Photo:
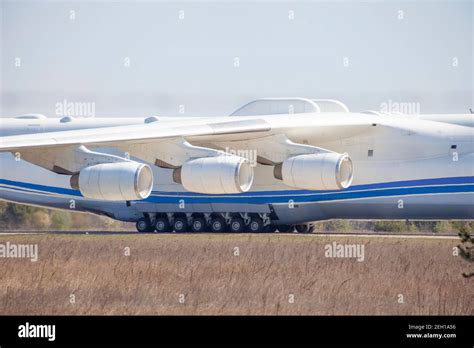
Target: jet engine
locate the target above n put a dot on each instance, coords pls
(215, 175)
(121, 181)
(323, 171)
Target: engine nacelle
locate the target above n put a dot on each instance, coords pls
(121, 181)
(215, 175)
(324, 171)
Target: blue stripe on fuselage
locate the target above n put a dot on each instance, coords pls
(396, 188)
(318, 197)
(393, 184)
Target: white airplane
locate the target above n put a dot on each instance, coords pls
(274, 164)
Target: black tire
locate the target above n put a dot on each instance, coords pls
(198, 225)
(218, 225)
(237, 224)
(285, 228)
(162, 224)
(270, 228)
(143, 225)
(304, 228)
(256, 225)
(180, 224)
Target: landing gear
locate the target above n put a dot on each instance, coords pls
(215, 222)
(304, 228)
(286, 228)
(144, 225)
(218, 224)
(270, 228)
(199, 225)
(256, 225)
(237, 224)
(180, 224)
(162, 225)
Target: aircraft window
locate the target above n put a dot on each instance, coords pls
(454, 147)
(370, 153)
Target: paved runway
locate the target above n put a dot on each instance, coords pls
(298, 235)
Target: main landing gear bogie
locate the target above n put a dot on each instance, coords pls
(215, 223)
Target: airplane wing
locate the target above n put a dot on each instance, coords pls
(191, 148)
(136, 133)
(202, 130)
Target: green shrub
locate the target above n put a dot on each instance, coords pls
(337, 225)
(390, 226)
(60, 220)
(443, 227)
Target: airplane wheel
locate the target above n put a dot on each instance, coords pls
(218, 224)
(285, 228)
(304, 228)
(144, 225)
(256, 225)
(199, 225)
(270, 228)
(180, 225)
(162, 225)
(237, 224)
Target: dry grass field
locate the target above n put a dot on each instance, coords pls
(200, 274)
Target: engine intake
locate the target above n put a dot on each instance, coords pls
(215, 175)
(324, 171)
(122, 181)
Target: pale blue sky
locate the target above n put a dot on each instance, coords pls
(191, 61)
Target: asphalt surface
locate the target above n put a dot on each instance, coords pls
(299, 235)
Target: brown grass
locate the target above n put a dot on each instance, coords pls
(214, 281)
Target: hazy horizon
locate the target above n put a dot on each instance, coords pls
(152, 58)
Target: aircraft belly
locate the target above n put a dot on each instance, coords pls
(431, 206)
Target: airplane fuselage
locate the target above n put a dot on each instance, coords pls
(404, 168)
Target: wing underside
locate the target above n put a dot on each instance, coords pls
(193, 149)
